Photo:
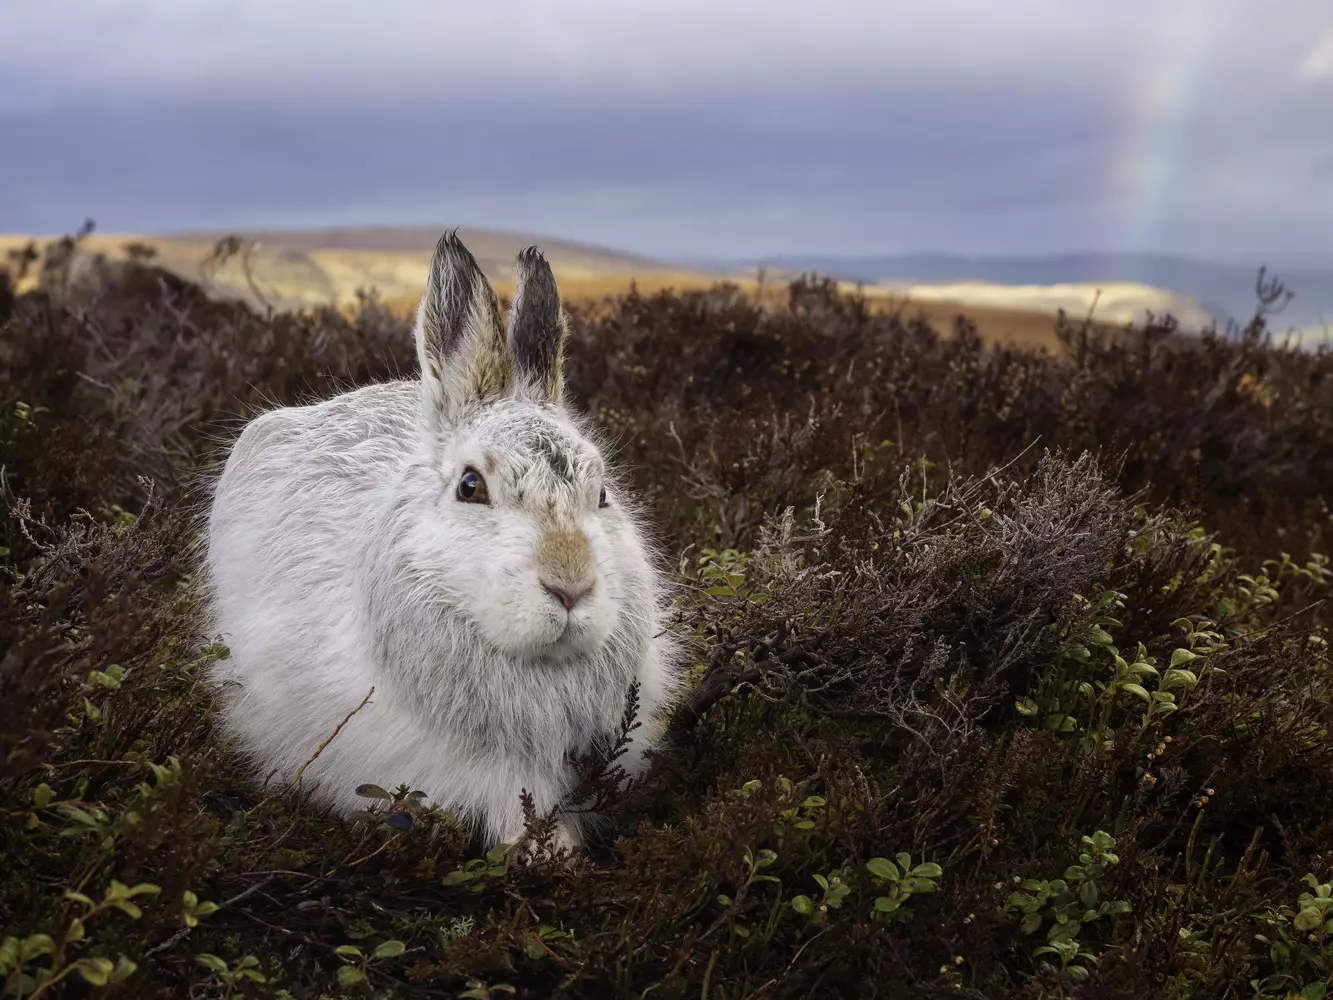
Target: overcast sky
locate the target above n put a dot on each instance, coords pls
(689, 127)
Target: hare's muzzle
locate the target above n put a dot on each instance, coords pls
(565, 566)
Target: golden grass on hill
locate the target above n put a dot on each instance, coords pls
(297, 276)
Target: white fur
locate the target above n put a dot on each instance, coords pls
(339, 558)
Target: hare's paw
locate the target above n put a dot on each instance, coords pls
(565, 844)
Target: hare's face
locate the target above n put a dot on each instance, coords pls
(540, 556)
(525, 541)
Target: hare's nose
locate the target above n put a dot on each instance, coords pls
(566, 595)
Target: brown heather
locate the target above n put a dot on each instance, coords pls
(1010, 669)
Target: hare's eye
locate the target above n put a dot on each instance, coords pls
(601, 499)
(472, 488)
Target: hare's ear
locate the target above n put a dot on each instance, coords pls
(460, 341)
(537, 328)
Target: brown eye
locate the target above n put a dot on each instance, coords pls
(601, 499)
(472, 488)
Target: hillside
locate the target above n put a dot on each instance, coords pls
(291, 269)
(1224, 290)
(296, 268)
(1009, 671)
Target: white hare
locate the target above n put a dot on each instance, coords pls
(456, 542)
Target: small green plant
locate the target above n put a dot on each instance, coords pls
(192, 908)
(230, 977)
(477, 872)
(355, 971)
(1299, 940)
(899, 882)
(722, 573)
(1067, 905)
(834, 887)
(18, 955)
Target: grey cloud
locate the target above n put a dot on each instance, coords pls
(667, 127)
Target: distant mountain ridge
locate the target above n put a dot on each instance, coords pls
(1226, 290)
(494, 249)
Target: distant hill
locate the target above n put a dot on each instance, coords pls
(1011, 299)
(1225, 290)
(495, 250)
(297, 268)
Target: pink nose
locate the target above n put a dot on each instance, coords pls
(567, 597)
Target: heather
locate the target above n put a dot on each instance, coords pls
(1009, 668)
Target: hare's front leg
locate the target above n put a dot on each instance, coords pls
(504, 817)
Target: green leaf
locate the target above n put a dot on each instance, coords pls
(802, 905)
(1138, 690)
(883, 868)
(350, 975)
(1308, 919)
(1060, 723)
(1179, 678)
(455, 877)
(41, 796)
(96, 971)
(1031, 922)
(1026, 706)
(1087, 894)
(211, 962)
(1101, 637)
(1314, 991)
(1183, 656)
(124, 969)
(348, 951)
(35, 945)
(389, 949)
(887, 904)
(78, 815)
(928, 870)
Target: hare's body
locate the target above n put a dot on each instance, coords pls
(500, 634)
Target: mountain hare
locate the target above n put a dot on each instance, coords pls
(456, 542)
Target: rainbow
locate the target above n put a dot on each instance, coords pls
(1146, 172)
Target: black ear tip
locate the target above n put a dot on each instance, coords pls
(534, 269)
(451, 253)
(531, 257)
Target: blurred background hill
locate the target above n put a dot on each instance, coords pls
(1011, 299)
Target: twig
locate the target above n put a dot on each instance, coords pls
(334, 735)
(320, 749)
(180, 934)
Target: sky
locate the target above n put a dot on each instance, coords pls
(691, 128)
